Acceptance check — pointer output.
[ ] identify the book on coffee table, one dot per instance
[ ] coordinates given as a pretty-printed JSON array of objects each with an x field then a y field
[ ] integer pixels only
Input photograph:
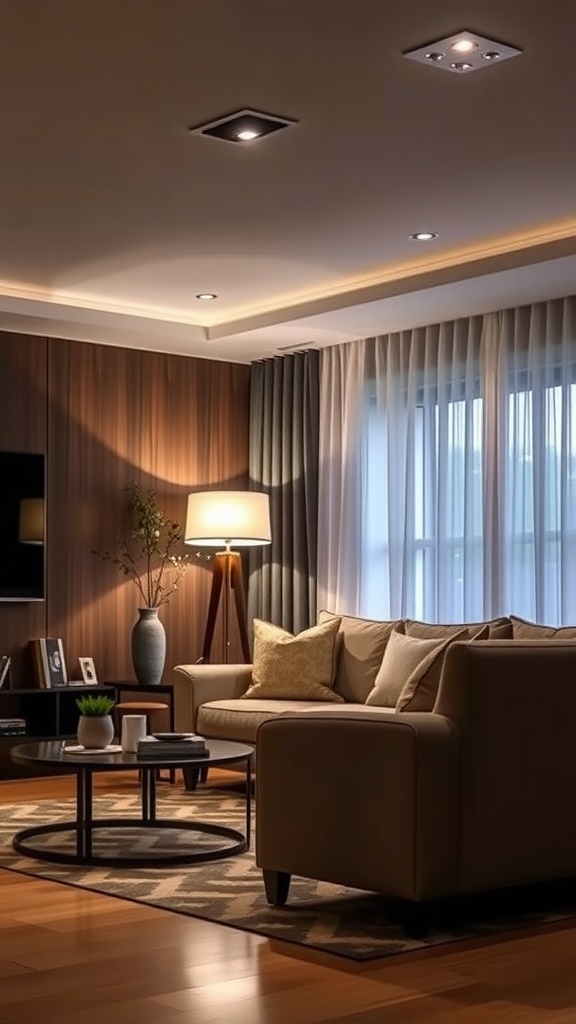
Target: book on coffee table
[{"x": 173, "y": 744}]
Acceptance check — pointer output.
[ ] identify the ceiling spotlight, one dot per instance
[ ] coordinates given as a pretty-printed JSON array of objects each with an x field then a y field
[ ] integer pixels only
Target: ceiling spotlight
[
  {"x": 423, "y": 236},
  {"x": 243, "y": 126},
  {"x": 207, "y": 296},
  {"x": 464, "y": 45},
  {"x": 247, "y": 134},
  {"x": 479, "y": 51}
]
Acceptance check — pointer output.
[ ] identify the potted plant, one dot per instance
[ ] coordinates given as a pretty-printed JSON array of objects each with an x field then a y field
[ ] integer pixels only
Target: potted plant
[
  {"x": 95, "y": 725},
  {"x": 149, "y": 558}
]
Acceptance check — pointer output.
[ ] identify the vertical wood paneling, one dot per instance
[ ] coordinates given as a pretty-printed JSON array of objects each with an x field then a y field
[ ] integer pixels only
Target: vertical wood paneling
[
  {"x": 23, "y": 411},
  {"x": 108, "y": 417},
  {"x": 119, "y": 416}
]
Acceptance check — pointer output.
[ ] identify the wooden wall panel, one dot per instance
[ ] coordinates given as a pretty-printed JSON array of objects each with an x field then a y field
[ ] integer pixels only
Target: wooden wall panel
[
  {"x": 106, "y": 418},
  {"x": 119, "y": 416},
  {"x": 23, "y": 412}
]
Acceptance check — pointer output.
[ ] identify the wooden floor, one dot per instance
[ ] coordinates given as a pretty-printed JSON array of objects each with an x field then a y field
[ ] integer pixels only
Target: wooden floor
[{"x": 71, "y": 955}]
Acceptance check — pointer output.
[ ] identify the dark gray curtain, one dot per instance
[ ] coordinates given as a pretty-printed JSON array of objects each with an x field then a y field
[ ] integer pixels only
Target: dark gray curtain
[{"x": 284, "y": 427}]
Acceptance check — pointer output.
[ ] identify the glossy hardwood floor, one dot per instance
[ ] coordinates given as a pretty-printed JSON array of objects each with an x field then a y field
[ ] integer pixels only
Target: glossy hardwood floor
[{"x": 71, "y": 955}]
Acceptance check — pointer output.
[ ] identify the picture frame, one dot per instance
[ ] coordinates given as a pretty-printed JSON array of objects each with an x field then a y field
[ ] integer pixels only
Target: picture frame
[
  {"x": 5, "y": 662},
  {"x": 88, "y": 671},
  {"x": 49, "y": 662}
]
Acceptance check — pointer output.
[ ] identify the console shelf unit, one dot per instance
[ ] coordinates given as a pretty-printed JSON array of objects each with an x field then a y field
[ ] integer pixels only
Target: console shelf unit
[{"x": 49, "y": 714}]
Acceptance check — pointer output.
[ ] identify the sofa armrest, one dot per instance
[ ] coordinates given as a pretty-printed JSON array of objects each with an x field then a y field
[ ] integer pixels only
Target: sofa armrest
[
  {"x": 369, "y": 801},
  {"x": 196, "y": 684}
]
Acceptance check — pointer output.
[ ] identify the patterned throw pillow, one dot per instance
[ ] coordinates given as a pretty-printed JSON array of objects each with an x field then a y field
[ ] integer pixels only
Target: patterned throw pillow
[
  {"x": 409, "y": 675},
  {"x": 288, "y": 667}
]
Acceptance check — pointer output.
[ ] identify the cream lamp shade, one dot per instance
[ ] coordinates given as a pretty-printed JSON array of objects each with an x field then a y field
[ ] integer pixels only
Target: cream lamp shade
[
  {"x": 31, "y": 526},
  {"x": 231, "y": 518}
]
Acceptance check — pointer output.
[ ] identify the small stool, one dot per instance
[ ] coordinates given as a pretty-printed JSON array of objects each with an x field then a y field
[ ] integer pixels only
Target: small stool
[{"x": 157, "y": 718}]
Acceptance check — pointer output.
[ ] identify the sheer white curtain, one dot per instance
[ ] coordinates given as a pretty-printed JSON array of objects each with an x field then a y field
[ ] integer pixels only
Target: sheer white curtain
[{"x": 448, "y": 467}]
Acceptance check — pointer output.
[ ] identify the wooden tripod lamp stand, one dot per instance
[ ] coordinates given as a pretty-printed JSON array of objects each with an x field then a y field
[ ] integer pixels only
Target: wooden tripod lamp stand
[{"x": 228, "y": 518}]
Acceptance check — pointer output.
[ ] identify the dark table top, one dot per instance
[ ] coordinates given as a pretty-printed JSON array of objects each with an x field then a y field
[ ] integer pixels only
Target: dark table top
[{"x": 53, "y": 753}]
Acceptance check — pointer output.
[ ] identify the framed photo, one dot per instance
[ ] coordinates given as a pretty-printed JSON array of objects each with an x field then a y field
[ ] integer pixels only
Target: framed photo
[
  {"x": 5, "y": 662},
  {"x": 88, "y": 671},
  {"x": 49, "y": 662}
]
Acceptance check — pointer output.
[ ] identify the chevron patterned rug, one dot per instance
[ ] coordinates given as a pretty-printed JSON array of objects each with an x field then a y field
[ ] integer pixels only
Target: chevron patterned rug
[{"x": 346, "y": 922}]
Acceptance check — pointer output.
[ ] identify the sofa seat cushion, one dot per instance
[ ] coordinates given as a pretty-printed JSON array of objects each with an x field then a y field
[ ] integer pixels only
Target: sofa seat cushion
[{"x": 240, "y": 718}]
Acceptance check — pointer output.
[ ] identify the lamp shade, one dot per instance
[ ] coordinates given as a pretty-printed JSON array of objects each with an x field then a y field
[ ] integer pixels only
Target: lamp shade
[
  {"x": 239, "y": 518},
  {"x": 31, "y": 527}
]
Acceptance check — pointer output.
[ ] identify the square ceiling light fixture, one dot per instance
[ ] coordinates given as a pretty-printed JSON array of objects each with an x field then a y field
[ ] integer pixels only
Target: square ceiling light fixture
[
  {"x": 464, "y": 51},
  {"x": 243, "y": 126}
]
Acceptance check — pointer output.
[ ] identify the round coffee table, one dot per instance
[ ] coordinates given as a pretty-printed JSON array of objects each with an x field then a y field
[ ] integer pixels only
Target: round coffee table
[{"x": 52, "y": 754}]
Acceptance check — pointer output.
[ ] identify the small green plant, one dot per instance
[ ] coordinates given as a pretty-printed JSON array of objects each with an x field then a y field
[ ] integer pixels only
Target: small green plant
[{"x": 95, "y": 706}]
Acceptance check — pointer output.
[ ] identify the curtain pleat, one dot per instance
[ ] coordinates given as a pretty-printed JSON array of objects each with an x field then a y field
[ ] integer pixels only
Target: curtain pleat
[{"x": 284, "y": 411}]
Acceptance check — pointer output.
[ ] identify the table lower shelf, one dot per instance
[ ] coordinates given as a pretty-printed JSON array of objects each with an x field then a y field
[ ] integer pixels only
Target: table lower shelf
[{"x": 84, "y": 836}]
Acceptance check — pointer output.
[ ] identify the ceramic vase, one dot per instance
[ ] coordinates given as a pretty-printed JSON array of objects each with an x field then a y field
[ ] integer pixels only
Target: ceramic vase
[
  {"x": 148, "y": 647},
  {"x": 95, "y": 731}
]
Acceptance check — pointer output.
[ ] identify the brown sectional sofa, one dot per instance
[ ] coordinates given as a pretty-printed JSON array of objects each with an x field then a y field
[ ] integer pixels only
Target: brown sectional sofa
[{"x": 474, "y": 795}]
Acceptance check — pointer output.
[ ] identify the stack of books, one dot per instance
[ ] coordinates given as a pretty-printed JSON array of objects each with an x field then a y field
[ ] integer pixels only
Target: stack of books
[
  {"x": 167, "y": 745},
  {"x": 12, "y": 727}
]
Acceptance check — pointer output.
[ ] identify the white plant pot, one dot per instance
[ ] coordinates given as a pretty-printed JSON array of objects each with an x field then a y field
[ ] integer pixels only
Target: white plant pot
[{"x": 95, "y": 731}]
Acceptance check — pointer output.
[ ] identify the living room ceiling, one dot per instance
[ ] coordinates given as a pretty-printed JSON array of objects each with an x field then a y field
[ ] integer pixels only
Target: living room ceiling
[{"x": 114, "y": 216}]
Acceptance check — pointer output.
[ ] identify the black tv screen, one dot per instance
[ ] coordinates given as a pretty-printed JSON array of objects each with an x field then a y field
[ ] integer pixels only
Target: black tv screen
[{"x": 22, "y": 526}]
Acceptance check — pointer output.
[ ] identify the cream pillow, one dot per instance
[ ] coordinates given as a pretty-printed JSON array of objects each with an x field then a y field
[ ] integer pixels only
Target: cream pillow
[
  {"x": 409, "y": 675},
  {"x": 288, "y": 667},
  {"x": 362, "y": 643}
]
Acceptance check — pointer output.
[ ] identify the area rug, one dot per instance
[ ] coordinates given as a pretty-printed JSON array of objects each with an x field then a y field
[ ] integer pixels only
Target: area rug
[{"x": 346, "y": 922}]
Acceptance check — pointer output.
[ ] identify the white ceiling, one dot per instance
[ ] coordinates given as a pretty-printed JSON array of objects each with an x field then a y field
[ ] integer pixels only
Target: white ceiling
[{"x": 113, "y": 216}]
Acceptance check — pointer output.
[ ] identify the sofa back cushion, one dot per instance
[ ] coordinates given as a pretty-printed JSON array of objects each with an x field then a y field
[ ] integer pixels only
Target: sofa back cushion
[
  {"x": 288, "y": 667},
  {"x": 409, "y": 676},
  {"x": 362, "y": 643},
  {"x": 493, "y": 629},
  {"x": 522, "y": 629}
]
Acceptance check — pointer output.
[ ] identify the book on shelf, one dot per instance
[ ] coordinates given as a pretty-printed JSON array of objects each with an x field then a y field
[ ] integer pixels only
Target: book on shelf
[
  {"x": 189, "y": 745},
  {"x": 12, "y": 727}
]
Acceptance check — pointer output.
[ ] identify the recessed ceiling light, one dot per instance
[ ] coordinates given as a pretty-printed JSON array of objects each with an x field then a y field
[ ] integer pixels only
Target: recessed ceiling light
[
  {"x": 242, "y": 126},
  {"x": 464, "y": 45},
  {"x": 207, "y": 296},
  {"x": 423, "y": 236},
  {"x": 479, "y": 50}
]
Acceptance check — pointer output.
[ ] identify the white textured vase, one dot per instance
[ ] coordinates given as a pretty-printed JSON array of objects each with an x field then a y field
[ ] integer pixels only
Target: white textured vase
[
  {"x": 148, "y": 647},
  {"x": 95, "y": 731}
]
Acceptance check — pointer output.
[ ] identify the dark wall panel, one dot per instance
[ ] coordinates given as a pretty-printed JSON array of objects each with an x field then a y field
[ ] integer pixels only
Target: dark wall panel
[
  {"x": 115, "y": 417},
  {"x": 23, "y": 417}
]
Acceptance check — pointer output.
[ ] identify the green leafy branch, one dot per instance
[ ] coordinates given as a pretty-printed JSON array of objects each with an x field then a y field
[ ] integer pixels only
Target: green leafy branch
[{"x": 149, "y": 557}]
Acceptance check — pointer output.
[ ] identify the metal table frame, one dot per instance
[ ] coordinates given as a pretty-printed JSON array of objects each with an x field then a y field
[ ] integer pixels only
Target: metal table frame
[{"x": 54, "y": 753}]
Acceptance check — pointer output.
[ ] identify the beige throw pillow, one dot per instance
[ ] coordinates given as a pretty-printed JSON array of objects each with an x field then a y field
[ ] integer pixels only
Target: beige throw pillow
[
  {"x": 493, "y": 629},
  {"x": 361, "y": 649},
  {"x": 288, "y": 667},
  {"x": 409, "y": 676}
]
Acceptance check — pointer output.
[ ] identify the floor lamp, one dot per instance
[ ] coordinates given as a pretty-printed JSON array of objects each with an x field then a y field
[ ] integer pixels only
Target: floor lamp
[{"x": 232, "y": 519}]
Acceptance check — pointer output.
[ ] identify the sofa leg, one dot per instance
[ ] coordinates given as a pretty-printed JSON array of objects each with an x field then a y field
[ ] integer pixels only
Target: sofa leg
[
  {"x": 277, "y": 885},
  {"x": 416, "y": 921}
]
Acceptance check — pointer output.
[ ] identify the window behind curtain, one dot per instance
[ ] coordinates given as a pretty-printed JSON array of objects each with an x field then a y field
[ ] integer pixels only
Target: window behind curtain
[{"x": 449, "y": 482}]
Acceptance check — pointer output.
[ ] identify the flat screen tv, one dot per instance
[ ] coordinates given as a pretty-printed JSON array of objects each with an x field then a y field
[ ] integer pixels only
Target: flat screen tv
[{"x": 22, "y": 526}]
